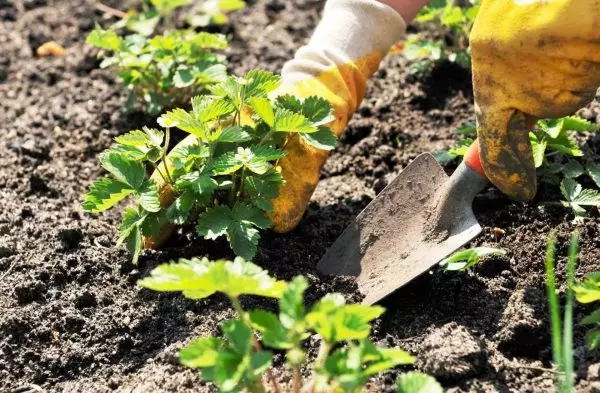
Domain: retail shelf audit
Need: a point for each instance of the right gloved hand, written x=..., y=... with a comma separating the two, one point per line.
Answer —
x=345, y=50
x=531, y=58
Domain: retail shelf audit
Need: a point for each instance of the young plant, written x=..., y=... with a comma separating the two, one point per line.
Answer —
x=558, y=158
x=588, y=291
x=238, y=360
x=165, y=70
x=226, y=175
x=466, y=259
x=445, y=16
x=156, y=13
x=562, y=343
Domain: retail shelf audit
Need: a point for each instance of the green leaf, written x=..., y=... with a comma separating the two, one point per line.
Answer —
x=287, y=121
x=208, y=108
x=575, y=123
x=416, y=48
x=573, y=169
x=134, y=244
x=538, y=147
x=565, y=144
x=290, y=103
x=592, y=319
x=588, y=290
x=187, y=123
x=468, y=130
x=262, y=107
x=261, y=192
x=593, y=170
x=465, y=259
x=234, y=134
x=180, y=209
x=148, y=196
x=592, y=339
x=243, y=239
x=123, y=168
x=209, y=40
x=274, y=334
x=201, y=352
x=183, y=77
x=104, y=194
x=214, y=222
x=198, y=278
x=130, y=233
x=249, y=214
x=137, y=138
x=260, y=83
x=578, y=198
x=416, y=382
x=267, y=153
x=291, y=305
x=199, y=183
x=317, y=110
x=260, y=362
x=227, y=163
x=104, y=39
x=323, y=139
x=152, y=223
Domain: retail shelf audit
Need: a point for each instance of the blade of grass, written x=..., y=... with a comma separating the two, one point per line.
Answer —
x=553, y=302
x=568, y=317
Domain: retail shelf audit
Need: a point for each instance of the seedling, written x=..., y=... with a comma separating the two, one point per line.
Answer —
x=466, y=259
x=446, y=16
x=562, y=343
x=238, y=360
x=157, y=13
x=163, y=71
x=558, y=158
x=226, y=176
x=588, y=291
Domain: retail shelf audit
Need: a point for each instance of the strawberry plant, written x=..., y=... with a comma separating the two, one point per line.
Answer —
x=455, y=21
x=466, y=259
x=588, y=291
x=240, y=358
x=155, y=13
x=225, y=176
x=165, y=70
x=559, y=160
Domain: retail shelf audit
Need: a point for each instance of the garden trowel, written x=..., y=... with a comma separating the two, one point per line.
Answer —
x=421, y=217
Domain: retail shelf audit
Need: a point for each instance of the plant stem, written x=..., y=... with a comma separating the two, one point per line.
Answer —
x=111, y=11
x=242, y=177
x=232, y=190
x=159, y=172
x=320, y=360
x=568, y=317
x=553, y=302
x=297, y=379
x=164, y=159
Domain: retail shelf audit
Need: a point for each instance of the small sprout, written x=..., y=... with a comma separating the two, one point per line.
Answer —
x=466, y=259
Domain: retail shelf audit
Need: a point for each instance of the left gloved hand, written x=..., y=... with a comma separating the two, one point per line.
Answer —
x=536, y=58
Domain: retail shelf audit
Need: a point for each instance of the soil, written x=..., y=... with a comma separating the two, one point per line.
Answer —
x=72, y=318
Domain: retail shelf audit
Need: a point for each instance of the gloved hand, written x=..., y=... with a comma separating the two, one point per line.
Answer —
x=344, y=51
x=531, y=58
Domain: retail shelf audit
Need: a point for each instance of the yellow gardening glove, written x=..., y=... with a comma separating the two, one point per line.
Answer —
x=530, y=59
x=346, y=48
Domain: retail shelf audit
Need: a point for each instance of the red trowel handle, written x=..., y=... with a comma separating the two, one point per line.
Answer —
x=472, y=158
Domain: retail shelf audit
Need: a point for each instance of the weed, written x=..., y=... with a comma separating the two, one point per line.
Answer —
x=466, y=259
x=562, y=342
x=238, y=360
x=226, y=177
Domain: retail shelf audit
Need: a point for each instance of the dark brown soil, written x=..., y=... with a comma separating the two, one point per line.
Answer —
x=71, y=316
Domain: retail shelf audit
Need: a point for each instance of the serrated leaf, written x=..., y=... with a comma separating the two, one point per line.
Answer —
x=129, y=232
x=289, y=102
x=226, y=164
x=123, y=168
x=261, y=192
x=207, y=108
x=258, y=166
x=104, y=39
x=180, y=209
x=570, y=189
x=201, y=352
x=291, y=304
x=317, y=110
x=186, y=122
x=588, y=290
x=573, y=169
x=200, y=184
x=262, y=107
x=243, y=239
x=214, y=222
x=267, y=153
x=104, y=194
x=565, y=144
x=274, y=334
x=137, y=138
x=593, y=170
x=287, y=121
x=152, y=223
x=209, y=40
x=183, y=77
x=249, y=214
x=416, y=382
x=324, y=139
x=134, y=244
x=234, y=134
x=260, y=82
x=538, y=147
x=575, y=123
x=148, y=196
x=465, y=259
x=196, y=276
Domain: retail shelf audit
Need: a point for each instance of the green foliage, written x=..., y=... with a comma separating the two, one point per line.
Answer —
x=237, y=361
x=562, y=336
x=165, y=70
x=588, y=291
x=466, y=259
x=454, y=23
x=558, y=158
x=227, y=176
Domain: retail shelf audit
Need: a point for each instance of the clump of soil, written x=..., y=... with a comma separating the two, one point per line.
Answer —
x=72, y=318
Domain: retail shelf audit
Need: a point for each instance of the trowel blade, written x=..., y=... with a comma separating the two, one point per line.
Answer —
x=392, y=241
